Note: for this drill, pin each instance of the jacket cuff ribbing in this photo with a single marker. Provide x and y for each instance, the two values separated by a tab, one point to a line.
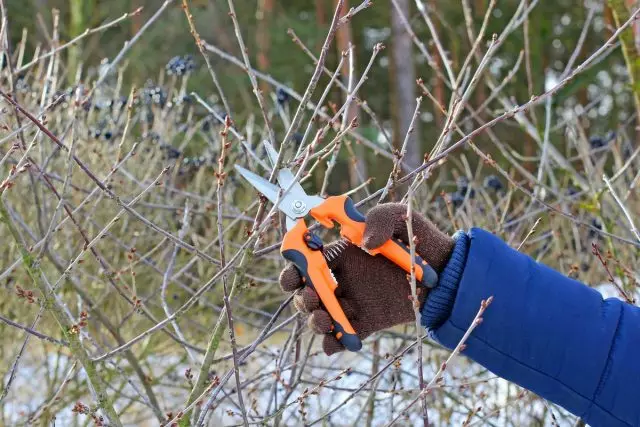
439	303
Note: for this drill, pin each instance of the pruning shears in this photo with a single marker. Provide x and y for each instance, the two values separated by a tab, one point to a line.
304	248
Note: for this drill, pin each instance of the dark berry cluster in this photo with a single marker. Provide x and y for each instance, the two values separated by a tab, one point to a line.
598	141
21	85
103	103
463	189
153	94
151	136
171	153
180	65
456	199
572	191
122	101
101	131
595	222
61	98
195	162
182	99
492	182
211	122
98	133
282	96
109	109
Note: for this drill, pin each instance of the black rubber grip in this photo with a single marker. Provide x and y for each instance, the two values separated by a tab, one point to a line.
429	275
299	260
350	341
351	210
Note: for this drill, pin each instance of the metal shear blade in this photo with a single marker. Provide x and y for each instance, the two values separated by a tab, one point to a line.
296	203
285	177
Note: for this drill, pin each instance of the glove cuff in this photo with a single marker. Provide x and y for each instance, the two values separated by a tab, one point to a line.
439	303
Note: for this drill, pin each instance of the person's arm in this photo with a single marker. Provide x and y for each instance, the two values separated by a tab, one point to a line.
550	334
544	331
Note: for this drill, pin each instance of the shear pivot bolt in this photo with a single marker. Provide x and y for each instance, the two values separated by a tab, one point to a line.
298	206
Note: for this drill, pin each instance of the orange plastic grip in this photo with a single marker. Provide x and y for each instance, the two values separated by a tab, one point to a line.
342	210
316	273
400	254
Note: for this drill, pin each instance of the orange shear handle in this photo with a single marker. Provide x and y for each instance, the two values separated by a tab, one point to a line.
342	210
315	272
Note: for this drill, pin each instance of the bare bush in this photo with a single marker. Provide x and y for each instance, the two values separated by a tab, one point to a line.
140	273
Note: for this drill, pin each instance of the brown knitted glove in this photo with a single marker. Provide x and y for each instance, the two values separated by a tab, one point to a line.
373	292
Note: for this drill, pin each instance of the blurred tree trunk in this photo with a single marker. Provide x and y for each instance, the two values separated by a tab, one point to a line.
263	40
344	39
79	13
530	146
136	21
583	93
480	92
628	40
321	19
608	18
321	22
631	5
438	89
403	84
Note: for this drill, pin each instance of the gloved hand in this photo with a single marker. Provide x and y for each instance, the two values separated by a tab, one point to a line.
373	292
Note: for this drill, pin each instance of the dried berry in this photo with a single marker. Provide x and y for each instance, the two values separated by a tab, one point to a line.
173	153
21	85
492	182
282	96
464	189
456	199
153	95
596	142
597	224
180	65
572	191
462	184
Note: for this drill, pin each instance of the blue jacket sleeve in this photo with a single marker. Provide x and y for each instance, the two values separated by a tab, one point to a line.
544	331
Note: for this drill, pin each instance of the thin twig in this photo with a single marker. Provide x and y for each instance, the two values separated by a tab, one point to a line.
87	32
127	46
623	208
252	78
415	302
34	272
435	381
395	171
227	304
531	231
200	44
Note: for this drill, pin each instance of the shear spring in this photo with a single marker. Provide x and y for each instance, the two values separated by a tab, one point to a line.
336	249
